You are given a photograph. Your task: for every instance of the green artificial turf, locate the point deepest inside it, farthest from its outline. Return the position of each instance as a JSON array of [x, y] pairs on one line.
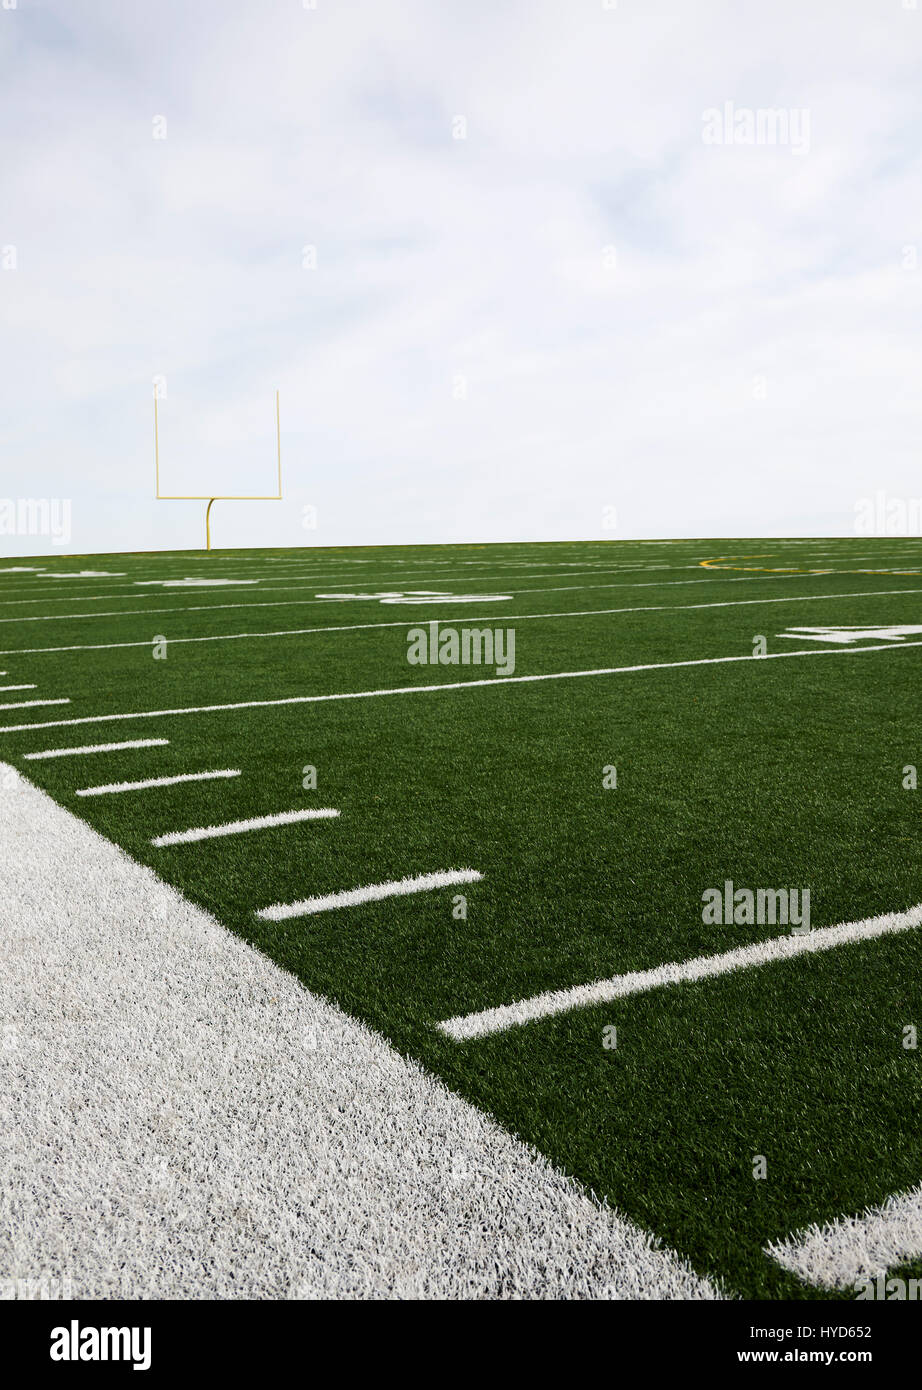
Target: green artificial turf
[[771, 773]]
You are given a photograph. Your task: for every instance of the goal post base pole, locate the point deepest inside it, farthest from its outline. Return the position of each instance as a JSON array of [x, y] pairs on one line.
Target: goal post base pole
[[203, 497]]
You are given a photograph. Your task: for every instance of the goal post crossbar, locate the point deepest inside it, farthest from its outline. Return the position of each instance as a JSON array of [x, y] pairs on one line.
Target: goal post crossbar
[[217, 497]]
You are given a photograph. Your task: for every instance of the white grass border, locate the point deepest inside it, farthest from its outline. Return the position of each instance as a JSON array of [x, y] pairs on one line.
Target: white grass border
[[183, 1120]]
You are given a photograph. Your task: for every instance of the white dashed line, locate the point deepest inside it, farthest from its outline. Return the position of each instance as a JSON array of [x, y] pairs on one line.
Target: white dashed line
[[373, 892], [238, 827], [97, 748], [109, 788]]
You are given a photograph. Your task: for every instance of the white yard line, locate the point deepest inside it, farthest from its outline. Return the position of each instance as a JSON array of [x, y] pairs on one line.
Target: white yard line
[[221, 585], [493, 681], [97, 748], [372, 892], [342, 578], [150, 1046], [456, 618], [110, 788], [239, 827], [849, 1251], [325, 603], [32, 704], [18, 687], [561, 1001]]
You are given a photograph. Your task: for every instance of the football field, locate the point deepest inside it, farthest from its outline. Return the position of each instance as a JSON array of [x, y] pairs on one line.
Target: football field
[[620, 840]]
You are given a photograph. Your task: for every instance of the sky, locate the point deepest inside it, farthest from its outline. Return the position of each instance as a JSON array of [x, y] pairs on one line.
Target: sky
[[518, 270]]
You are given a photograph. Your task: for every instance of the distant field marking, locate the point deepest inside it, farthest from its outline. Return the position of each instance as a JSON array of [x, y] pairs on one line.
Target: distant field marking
[[97, 748], [373, 892], [17, 687], [340, 583], [238, 827], [110, 788], [325, 603], [456, 618], [844, 1253], [44, 595], [32, 704], [490, 578], [228, 579], [464, 1027], [789, 569], [424, 599], [447, 685], [341, 579]]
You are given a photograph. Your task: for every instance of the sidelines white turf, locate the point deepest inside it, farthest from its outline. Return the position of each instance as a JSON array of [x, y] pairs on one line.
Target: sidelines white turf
[[111, 788], [96, 748], [560, 1001], [493, 681], [464, 618], [239, 827], [372, 892], [843, 1253], [136, 1156]]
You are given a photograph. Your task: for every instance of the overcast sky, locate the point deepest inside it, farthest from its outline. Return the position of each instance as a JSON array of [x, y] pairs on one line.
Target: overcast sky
[[583, 318]]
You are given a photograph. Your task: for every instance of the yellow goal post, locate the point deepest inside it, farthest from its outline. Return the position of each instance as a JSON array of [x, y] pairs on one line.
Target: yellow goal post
[[221, 497]]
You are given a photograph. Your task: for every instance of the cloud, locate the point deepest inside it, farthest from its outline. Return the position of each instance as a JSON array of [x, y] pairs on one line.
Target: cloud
[[579, 305]]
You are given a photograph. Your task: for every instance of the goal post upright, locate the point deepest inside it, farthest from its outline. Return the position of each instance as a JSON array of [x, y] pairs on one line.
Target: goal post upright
[[219, 497]]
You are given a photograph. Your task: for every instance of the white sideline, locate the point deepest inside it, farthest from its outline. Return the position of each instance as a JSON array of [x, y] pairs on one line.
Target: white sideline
[[109, 788], [843, 1253], [453, 685], [238, 827], [479, 618], [560, 1001], [372, 892], [188, 1122], [97, 748]]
